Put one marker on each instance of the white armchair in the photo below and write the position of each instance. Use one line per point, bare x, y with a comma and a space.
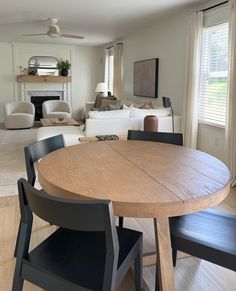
19, 115
56, 108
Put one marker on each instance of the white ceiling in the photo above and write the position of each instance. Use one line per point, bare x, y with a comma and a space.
100, 21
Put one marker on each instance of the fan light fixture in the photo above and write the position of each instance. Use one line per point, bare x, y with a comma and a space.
54, 31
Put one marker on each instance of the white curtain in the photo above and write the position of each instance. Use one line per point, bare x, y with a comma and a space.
231, 108
106, 77
190, 105
117, 69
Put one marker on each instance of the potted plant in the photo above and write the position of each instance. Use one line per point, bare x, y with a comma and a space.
64, 67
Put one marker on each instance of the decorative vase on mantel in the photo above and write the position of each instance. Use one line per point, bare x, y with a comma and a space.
64, 72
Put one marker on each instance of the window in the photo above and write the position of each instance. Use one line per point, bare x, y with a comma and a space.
109, 68
214, 75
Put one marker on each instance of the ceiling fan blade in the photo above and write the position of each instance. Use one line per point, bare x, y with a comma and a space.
32, 34
71, 36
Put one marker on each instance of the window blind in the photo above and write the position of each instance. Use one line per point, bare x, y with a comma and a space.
214, 75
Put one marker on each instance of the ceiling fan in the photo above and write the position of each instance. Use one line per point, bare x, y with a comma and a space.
54, 31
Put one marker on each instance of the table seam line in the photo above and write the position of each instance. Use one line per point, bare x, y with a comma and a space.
110, 145
146, 173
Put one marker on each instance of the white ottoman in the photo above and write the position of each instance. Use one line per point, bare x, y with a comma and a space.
71, 134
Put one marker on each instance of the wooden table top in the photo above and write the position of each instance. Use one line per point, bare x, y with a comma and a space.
56, 122
143, 179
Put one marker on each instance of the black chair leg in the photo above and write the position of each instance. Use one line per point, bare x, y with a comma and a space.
18, 282
121, 221
174, 257
138, 272
17, 241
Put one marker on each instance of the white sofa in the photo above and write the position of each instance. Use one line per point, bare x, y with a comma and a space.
120, 121
112, 122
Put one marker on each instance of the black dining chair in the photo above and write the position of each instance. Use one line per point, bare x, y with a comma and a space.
87, 252
33, 153
164, 137
208, 235
38, 150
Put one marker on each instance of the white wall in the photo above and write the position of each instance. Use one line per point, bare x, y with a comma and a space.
167, 40
6, 76
85, 70
86, 73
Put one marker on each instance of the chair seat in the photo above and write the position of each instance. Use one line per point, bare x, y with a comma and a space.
78, 257
210, 233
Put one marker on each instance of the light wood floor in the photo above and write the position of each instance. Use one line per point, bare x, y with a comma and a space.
191, 274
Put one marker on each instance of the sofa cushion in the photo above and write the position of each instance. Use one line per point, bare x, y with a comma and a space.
141, 113
160, 112
109, 114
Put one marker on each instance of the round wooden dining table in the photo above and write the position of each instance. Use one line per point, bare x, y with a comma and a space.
142, 179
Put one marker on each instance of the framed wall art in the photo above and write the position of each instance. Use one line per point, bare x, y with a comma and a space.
146, 78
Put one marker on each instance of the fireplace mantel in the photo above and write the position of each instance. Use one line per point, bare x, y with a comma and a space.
43, 79
28, 83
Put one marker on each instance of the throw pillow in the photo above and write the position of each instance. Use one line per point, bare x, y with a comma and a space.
111, 104
107, 137
95, 109
127, 107
99, 99
115, 106
147, 105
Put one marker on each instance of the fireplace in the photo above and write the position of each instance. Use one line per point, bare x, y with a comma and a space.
38, 101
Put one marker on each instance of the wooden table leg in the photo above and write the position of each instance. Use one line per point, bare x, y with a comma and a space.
164, 263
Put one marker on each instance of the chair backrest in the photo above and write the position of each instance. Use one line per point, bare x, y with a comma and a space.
56, 105
165, 137
19, 107
78, 215
39, 149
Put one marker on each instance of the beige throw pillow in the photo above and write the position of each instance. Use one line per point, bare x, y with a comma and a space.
147, 105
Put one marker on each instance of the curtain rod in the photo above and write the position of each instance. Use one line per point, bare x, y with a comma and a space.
112, 45
214, 6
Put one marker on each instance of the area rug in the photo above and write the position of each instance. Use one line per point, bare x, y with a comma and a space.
12, 164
